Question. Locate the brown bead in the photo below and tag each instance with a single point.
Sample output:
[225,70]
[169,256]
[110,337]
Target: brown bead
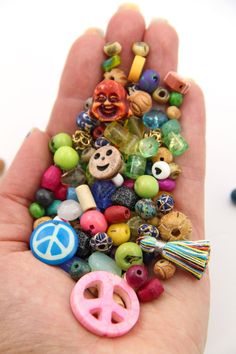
[163,154]
[112,48]
[117,75]
[2,166]
[86,154]
[161,95]
[140,102]
[39,221]
[173,112]
[175,170]
[164,269]
[154,221]
[176,83]
[81,139]
[140,48]
[154,133]
[175,226]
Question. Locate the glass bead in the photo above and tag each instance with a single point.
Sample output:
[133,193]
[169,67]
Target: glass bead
[148,147]
[148,169]
[135,126]
[74,177]
[136,276]
[69,210]
[127,255]
[154,119]
[161,170]
[175,99]
[146,186]
[134,224]
[176,144]
[66,158]
[52,208]
[44,197]
[111,63]
[135,166]
[102,192]
[146,208]
[36,210]
[170,126]
[149,81]
[58,140]
[100,261]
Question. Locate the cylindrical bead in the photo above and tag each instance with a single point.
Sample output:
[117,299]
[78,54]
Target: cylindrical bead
[136,68]
[85,197]
[117,214]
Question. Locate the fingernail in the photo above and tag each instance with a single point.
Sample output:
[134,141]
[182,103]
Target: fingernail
[128,6]
[31,131]
[94,30]
[158,20]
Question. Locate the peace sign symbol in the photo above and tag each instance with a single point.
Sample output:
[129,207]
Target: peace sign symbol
[102,315]
[54,242]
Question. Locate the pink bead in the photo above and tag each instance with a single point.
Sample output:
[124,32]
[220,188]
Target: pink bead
[176,82]
[61,192]
[102,315]
[93,221]
[136,276]
[129,183]
[51,178]
[167,184]
[150,291]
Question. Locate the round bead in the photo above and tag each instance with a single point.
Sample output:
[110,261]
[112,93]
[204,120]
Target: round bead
[44,197]
[167,184]
[146,208]
[93,221]
[117,214]
[101,242]
[88,103]
[165,203]
[84,249]
[129,183]
[175,170]
[149,81]
[124,196]
[176,99]
[140,48]
[66,158]
[136,68]
[59,140]
[161,95]
[146,186]
[128,254]
[69,210]
[117,75]
[36,210]
[136,276]
[163,154]
[154,119]
[151,290]
[52,208]
[39,221]
[148,230]
[160,170]
[173,112]
[51,178]
[233,196]
[120,233]
[175,226]
[112,48]
[85,122]
[164,269]
[86,154]
[98,131]
[100,142]
[99,261]
[148,147]
[140,102]
[79,268]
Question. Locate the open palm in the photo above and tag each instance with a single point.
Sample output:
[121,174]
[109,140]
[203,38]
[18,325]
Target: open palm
[34,297]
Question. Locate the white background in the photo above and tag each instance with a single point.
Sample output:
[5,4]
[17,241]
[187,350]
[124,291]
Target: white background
[34,40]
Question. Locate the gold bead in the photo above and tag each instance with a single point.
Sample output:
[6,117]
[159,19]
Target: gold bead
[175,170]
[164,269]
[173,112]
[39,221]
[163,154]
[81,139]
[117,75]
[175,226]
[112,48]
[140,48]
[161,95]
[155,134]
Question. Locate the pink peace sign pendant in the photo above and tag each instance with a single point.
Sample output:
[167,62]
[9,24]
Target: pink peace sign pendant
[102,315]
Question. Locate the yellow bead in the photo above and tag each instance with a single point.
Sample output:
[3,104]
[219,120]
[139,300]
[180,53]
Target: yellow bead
[140,48]
[161,95]
[120,233]
[112,48]
[173,112]
[41,220]
[136,68]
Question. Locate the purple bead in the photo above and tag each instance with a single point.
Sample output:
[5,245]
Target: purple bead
[167,184]
[136,276]
[149,81]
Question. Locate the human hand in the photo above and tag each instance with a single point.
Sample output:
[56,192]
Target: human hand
[34,297]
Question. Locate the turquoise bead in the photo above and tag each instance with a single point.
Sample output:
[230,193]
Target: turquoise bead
[171,126]
[176,144]
[148,147]
[154,119]
[52,208]
[100,261]
[79,268]
[111,63]
[176,99]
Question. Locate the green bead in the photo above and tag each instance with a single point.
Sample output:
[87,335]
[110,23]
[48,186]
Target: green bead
[135,166]
[36,210]
[52,208]
[171,126]
[79,268]
[135,126]
[176,144]
[66,158]
[111,63]
[148,147]
[176,99]
[100,261]
[134,224]
[59,140]
[127,255]
[146,186]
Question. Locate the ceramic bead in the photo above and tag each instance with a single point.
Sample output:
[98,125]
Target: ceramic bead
[85,122]
[148,147]
[74,177]
[154,119]
[61,192]
[124,196]
[101,242]
[51,178]
[176,144]
[58,140]
[151,290]
[136,68]
[117,214]
[112,48]
[86,154]
[149,81]
[140,48]
[148,230]
[81,140]
[165,203]
[146,186]
[161,95]
[98,131]
[93,221]
[100,261]
[119,233]
[175,99]
[146,208]
[173,112]
[175,226]
[84,249]
[175,170]
[36,210]
[167,185]
[140,102]
[85,197]
[177,83]
[164,269]
[163,154]
[52,208]
[39,221]
[66,158]
[79,268]
[117,75]
[128,254]
[136,276]
[161,170]
[44,197]
[69,210]
[172,126]
[135,166]
[111,63]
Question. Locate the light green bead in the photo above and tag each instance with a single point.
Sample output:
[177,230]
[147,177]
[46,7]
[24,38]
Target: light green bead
[146,186]
[52,208]
[128,254]
[36,210]
[176,99]
[176,144]
[59,140]
[100,261]
[171,126]
[135,126]
[148,147]
[111,63]
[135,166]
[66,158]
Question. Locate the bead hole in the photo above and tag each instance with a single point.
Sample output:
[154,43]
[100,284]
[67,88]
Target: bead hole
[139,272]
[175,232]
[162,93]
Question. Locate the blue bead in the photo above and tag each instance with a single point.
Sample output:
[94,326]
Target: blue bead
[148,170]
[71,194]
[146,208]
[54,242]
[85,122]
[154,119]
[52,208]
[233,196]
[102,192]
[149,81]
[165,203]
[101,141]
[148,257]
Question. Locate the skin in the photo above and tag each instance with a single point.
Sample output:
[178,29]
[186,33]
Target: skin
[34,297]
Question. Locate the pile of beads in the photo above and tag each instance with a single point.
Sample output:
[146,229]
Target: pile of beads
[104,211]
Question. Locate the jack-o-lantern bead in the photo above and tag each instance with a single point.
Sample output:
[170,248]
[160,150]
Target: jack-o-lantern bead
[117,75]
[140,102]
[175,226]
[164,269]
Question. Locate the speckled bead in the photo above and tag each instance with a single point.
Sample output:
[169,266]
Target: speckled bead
[101,242]
[117,75]
[161,95]
[124,196]
[111,63]
[112,48]
[140,102]
[163,154]
[173,112]
[175,226]
[148,230]
[146,208]
[165,203]
[164,269]
[140,48]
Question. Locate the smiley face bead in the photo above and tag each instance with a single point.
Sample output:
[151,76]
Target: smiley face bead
[161,170]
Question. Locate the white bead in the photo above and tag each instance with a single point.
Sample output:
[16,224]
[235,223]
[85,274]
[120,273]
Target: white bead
[69,210]
[161,170]
[118,180]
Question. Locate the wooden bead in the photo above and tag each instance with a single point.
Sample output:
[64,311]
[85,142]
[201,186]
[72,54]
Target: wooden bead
[140,48]
[164,269]
[112,48]
[163,154]
[175,170]
[85,197]
[161,95]
[140,102]
[176,83]
[117,75]
[175,226]
[39,221]
[136,68]
[173,112]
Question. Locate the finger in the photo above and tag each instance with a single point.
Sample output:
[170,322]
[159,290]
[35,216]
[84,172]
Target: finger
[81,73]
[126,26]
[163,41]
[24,175]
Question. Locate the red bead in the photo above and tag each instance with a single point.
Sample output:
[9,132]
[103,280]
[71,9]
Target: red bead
[151,290]
[51,178]
[98,131]
[129,183]
[116,214]
[136,276]
[61,192]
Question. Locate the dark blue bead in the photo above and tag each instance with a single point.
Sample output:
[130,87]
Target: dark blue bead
[147,258]
[102,192]
[233,196]
[85,122]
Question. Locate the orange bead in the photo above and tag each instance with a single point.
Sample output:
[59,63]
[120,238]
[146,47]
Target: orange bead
[177,83]
[136,68]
